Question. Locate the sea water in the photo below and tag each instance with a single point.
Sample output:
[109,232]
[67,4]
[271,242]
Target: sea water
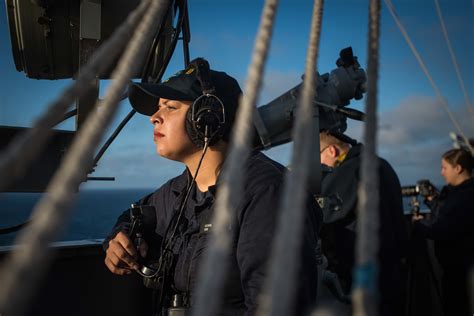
[93,213]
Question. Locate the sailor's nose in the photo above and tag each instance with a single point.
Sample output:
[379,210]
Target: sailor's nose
[156,118]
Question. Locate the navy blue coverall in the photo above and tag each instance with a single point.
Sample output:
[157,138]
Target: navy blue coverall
[339,229]
[252,233]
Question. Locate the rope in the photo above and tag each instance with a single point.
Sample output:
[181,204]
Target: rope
[22,269]
[277,297]
[230,192]
[428,75]
[467,99]
[16,158]
[367,243]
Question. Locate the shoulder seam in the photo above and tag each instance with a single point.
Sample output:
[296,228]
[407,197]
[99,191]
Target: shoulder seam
[257,157]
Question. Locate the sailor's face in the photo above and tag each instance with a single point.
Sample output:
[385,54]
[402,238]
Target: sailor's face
[169,131]
[449,172]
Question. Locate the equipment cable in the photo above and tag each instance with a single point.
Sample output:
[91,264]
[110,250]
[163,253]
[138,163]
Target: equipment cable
[12,229]
[169,241]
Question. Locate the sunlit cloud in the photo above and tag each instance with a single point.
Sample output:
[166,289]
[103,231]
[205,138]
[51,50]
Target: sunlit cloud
[275,83]
[413,135]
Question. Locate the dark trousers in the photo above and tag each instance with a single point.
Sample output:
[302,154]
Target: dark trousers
[455,293]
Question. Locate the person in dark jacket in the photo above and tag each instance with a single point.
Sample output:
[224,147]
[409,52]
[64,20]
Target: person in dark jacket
[451,226]
[342,157]
[184,205]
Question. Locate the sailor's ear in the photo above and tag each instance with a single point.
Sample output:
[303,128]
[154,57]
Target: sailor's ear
[334,151]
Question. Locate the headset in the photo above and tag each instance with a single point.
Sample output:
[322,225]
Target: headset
[206,117]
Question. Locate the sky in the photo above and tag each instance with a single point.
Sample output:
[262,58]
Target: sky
[413,127]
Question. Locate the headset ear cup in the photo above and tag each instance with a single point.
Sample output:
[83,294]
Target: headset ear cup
[205,116]
[191,130]
[208,114]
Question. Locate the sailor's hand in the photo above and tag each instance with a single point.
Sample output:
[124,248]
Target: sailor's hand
[430,197]
[121,256]
[417,217]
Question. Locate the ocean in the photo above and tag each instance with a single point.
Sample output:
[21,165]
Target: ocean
[93,215]
[94,212]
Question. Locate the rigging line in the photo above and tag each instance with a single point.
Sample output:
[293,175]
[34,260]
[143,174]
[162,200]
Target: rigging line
[467,98]
[367,244]
[23,268]
[229,194]
[20,153]
[285,255]
[428,75]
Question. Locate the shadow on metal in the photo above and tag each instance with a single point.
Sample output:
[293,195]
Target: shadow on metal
[78,283]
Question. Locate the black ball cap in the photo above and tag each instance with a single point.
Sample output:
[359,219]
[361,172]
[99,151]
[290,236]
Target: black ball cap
[184,86]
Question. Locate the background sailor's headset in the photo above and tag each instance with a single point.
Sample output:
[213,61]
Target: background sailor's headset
[206,118]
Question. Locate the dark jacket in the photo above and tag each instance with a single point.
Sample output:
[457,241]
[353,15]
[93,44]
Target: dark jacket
[252,236]
[339,229]
[451,225]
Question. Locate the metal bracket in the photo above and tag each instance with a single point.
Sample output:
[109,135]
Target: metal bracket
[90,19]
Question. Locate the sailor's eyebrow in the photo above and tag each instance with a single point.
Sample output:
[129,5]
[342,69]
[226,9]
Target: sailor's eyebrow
[163,103]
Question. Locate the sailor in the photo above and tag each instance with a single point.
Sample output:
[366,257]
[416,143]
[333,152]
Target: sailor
[451,226]
[184,205]
[341,159]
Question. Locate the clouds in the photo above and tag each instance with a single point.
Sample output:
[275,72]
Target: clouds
[416,119]
[275,83]
[414,134]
